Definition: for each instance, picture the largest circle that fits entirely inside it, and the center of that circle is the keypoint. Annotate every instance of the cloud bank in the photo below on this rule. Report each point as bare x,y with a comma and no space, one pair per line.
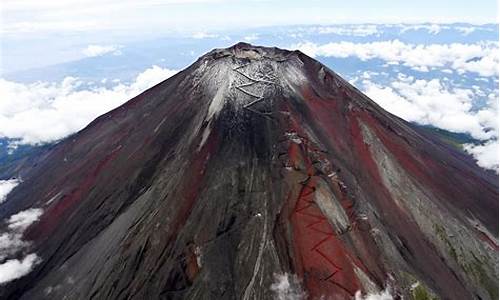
45,112
23,219
362,30
12,245
6,186
431,102
99,50
15,268
481,58
486,154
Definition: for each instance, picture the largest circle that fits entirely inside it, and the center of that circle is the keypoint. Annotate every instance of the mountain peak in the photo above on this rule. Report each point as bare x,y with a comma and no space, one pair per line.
253,166
248,79
252,52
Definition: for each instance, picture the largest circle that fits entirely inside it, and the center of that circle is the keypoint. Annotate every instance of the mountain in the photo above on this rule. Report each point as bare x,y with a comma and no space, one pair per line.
255,173
18,159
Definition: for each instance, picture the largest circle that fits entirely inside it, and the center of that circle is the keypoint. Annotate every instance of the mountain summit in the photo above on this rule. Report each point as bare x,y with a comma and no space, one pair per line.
255,173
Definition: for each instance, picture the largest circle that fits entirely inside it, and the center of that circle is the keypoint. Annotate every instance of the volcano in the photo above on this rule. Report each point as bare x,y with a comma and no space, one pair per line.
255,173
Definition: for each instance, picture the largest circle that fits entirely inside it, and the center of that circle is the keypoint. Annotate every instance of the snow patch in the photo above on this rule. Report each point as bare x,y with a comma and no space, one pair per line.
199,256
217,103
204,136
287,287
213,110
294,137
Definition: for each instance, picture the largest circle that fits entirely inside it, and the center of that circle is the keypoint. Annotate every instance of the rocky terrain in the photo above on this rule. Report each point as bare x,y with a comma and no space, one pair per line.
255,173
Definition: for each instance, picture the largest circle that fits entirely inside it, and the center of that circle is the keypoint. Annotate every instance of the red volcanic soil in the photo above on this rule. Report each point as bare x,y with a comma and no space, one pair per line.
251,163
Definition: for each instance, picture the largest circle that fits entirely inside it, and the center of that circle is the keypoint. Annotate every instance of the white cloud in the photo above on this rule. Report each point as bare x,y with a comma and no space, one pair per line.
437,28
382,295
151,77
204,35
431,28
51,16
43,112
287,287
34,5
23,219
486,155
481,58
348,30
11,243
99,50
6,186
15,268
251,37
55,25
430,102
466,30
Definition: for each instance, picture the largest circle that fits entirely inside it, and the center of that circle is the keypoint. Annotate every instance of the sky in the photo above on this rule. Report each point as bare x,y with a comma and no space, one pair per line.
31,16
30,28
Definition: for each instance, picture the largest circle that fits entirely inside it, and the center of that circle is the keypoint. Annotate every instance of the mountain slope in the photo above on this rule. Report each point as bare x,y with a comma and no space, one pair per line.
251,163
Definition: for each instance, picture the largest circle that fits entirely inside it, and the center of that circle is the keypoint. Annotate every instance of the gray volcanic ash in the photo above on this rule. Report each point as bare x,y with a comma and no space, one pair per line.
250,166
